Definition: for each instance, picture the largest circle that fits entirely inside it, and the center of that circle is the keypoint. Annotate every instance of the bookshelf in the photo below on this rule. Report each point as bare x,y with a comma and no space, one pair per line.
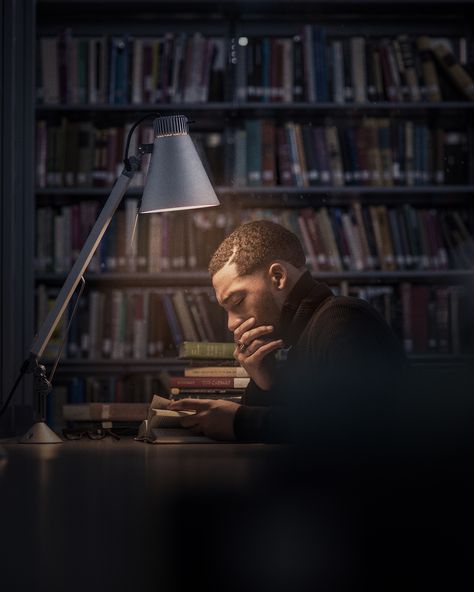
236,32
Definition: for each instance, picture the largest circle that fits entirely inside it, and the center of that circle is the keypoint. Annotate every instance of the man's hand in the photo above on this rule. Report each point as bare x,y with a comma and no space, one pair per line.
213,418
252,352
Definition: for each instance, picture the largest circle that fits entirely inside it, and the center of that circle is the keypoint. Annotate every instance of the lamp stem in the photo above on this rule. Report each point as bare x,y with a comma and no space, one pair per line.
83,259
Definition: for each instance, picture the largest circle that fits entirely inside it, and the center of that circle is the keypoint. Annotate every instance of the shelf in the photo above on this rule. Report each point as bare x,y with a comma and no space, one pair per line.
104,367
349,189
388,277
201,278
96,367
293,197
238,108
276,190
165,279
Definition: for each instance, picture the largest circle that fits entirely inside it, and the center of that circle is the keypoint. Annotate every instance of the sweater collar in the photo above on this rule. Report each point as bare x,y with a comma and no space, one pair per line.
304,298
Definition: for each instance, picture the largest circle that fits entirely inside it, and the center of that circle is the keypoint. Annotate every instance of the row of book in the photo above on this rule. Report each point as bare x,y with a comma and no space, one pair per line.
427,319
120,70
79,154
133,323
385,238
119,399
170,241
375,152
351,238
308,66
147,324
401,68
124,400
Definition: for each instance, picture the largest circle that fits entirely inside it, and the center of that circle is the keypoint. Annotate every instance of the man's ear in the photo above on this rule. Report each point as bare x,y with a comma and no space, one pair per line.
278,275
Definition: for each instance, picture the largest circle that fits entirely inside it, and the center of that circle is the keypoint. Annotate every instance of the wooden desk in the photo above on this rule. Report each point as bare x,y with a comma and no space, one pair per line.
118,515
127,516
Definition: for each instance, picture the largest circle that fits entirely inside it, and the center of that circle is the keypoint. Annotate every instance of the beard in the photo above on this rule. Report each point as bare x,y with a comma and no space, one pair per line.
268,313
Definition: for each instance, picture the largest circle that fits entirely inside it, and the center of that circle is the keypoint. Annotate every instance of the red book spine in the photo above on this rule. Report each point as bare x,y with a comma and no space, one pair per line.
419,318
207,382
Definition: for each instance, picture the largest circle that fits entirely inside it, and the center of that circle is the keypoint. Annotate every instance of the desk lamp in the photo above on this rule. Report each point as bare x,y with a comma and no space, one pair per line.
176,180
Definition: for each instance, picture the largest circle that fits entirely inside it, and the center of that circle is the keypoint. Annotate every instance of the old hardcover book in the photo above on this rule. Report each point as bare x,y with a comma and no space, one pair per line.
451,65
285,175
358,59
105,411
212,350
253,128
387,244
268,153
357,261
338,71
235,371
184,315
308,245
208,382
419,318
430,87
234,394
374,157
330,240
163,425
407,333
335,156
408,60
364,242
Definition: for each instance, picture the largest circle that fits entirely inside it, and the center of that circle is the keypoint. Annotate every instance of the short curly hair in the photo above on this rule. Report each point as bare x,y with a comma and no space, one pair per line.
255,244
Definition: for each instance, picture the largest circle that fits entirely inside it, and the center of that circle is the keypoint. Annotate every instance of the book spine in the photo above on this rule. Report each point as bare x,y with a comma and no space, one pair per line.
226,382
411,77
172,319
450,64
105,411
233,371
254,152
405,290
358,58
216,393
430,77
213,350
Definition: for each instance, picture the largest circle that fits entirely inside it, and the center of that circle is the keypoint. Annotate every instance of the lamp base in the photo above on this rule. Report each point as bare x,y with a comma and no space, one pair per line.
40,433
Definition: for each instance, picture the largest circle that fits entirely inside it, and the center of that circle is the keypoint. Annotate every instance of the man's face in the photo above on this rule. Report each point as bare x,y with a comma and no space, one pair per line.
246,296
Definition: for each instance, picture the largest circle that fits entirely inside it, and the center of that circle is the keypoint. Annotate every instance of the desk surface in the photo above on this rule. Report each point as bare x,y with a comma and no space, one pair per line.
112,515
127,516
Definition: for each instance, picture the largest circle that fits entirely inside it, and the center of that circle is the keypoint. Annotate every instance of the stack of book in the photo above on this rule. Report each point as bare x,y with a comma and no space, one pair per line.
213,373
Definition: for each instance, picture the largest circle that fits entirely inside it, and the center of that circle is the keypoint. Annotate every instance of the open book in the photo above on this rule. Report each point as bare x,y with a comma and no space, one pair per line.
163,426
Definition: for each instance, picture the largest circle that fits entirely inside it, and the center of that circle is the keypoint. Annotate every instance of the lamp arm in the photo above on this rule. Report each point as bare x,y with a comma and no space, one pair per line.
43,336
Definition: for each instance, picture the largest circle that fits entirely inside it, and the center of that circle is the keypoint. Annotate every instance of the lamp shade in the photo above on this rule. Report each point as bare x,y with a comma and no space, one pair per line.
176,177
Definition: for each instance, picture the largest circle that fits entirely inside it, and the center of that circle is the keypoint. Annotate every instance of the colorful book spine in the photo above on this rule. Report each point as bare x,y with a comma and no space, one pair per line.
202,350
227,382
219,371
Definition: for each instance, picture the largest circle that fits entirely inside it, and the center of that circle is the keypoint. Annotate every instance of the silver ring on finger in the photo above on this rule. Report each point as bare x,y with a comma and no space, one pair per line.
242,347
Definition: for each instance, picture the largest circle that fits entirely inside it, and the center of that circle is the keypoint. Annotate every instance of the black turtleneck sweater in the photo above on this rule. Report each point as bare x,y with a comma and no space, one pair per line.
335,344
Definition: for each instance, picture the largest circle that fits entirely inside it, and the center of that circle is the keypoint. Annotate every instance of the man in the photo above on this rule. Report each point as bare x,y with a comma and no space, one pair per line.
336,346
354,499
